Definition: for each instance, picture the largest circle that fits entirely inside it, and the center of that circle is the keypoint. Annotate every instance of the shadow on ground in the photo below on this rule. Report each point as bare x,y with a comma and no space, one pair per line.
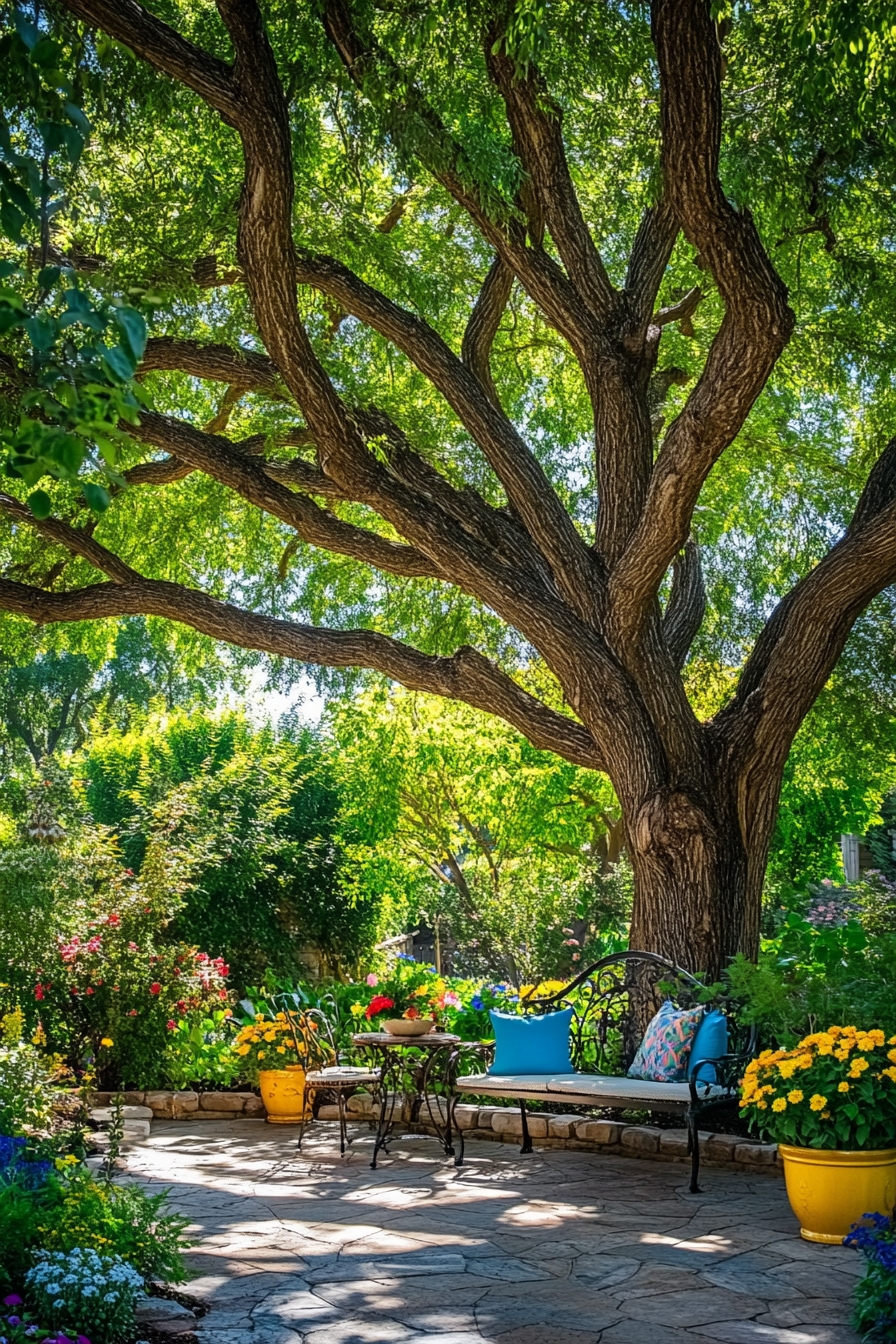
554,1248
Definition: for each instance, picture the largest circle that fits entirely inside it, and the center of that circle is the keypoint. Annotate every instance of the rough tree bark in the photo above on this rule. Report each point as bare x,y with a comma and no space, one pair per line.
698,799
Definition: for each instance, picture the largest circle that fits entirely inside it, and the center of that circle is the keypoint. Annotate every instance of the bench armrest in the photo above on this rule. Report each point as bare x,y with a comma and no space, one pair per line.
728,1069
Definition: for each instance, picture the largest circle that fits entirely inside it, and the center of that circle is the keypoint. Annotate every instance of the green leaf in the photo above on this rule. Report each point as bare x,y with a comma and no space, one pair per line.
98,498
47,276
120,361
133,327
40,504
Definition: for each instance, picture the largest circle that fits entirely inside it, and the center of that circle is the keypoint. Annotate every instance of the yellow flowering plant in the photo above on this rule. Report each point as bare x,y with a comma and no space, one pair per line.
836,1089
276,1042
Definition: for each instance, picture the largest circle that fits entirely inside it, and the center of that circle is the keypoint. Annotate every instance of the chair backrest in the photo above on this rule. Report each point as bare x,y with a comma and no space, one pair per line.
614,999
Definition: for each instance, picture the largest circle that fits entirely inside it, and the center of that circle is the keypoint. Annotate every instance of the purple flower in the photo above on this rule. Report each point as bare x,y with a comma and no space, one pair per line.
82,1339
12,1301
13,1320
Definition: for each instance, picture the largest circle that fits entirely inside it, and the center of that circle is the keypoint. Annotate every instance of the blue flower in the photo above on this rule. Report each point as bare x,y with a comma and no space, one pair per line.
476,1002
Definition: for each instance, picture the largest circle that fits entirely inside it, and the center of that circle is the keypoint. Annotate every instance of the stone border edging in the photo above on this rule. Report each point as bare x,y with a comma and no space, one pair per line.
167,1105
501,1123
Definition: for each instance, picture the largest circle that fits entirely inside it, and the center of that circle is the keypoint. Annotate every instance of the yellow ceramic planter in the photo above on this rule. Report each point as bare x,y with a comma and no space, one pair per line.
830,1190
283,1094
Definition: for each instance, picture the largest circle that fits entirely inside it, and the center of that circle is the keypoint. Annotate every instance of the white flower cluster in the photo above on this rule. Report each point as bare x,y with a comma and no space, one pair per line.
82,1291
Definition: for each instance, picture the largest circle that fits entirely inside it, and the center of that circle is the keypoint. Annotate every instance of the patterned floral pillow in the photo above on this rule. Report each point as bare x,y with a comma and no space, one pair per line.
666,1048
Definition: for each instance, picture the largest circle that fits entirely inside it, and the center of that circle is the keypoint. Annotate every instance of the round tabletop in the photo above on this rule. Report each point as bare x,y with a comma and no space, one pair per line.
431,1038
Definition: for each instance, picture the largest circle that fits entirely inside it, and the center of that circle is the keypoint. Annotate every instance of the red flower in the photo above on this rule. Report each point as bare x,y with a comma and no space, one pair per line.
222,993
378,1004
114,920
155,987
171,1024
90,989
132,1013
38,991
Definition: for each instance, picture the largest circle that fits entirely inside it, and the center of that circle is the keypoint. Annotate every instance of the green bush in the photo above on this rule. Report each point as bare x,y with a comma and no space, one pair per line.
200,1050
810,975
71,1209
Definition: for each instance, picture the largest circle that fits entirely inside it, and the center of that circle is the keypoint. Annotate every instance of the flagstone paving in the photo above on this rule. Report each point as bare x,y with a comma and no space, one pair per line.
554,1248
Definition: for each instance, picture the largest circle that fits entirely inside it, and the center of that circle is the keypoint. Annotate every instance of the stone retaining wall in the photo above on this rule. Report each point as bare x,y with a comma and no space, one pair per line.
190,1105
501,1123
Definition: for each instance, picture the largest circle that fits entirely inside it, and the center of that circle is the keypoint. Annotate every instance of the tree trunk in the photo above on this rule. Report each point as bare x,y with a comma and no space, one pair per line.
698,891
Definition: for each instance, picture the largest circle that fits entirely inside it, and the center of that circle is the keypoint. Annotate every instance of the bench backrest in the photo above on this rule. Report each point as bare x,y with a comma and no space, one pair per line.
614,999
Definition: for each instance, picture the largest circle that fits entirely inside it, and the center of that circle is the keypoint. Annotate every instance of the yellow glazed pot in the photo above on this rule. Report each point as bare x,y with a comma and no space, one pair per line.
283,1094
830,1190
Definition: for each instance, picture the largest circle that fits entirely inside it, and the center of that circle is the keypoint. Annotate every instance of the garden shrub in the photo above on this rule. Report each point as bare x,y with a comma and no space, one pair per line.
114,1220
199,1052
60,1206
810,974
83,1293
29,1080
108,989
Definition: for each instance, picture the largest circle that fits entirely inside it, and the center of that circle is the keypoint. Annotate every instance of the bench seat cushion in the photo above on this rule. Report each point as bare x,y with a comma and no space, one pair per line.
589,1089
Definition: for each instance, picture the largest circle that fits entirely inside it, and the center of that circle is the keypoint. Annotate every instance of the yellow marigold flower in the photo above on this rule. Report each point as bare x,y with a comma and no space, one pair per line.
843,1087
281,1017
107,1041
242,1049
826,1049
892,1040
261,1054
779,1104
281,1049
259,1017
787,1068
842,1054
877,1036
890,1073
270,1036
835,1032
864,1043
762,1104
818,1102
804,1062
891,1056
857,1067
795,1097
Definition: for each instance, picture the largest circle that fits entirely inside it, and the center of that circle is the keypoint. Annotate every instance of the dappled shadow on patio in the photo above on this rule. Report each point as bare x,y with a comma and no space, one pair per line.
555,1248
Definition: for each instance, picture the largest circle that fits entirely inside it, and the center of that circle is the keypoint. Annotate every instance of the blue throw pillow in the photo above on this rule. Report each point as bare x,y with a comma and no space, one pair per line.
711,1042
531,1044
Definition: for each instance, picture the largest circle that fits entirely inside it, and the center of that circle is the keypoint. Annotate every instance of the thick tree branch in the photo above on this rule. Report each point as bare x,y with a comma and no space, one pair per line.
528,489
535,124
757,322
414,124
74,540
483,326
686,606
799,647
155,42
244,369
466,675
225,462
647,264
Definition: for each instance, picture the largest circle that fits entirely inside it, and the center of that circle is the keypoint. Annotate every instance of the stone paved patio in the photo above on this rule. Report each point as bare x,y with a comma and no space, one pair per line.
556,1248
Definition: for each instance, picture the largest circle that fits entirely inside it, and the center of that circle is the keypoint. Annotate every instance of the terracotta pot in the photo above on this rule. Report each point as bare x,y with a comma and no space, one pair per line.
829,1190
409,1026
283,1094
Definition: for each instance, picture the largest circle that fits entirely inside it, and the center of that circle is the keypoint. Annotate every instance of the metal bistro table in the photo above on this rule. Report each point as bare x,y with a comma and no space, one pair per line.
433,1072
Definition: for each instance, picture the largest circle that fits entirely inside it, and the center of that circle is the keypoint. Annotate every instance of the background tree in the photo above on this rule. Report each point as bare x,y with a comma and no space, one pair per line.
495,289
514,853
263,834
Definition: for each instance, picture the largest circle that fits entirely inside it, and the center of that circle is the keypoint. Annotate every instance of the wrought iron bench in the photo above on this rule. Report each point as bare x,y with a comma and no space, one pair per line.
609,999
